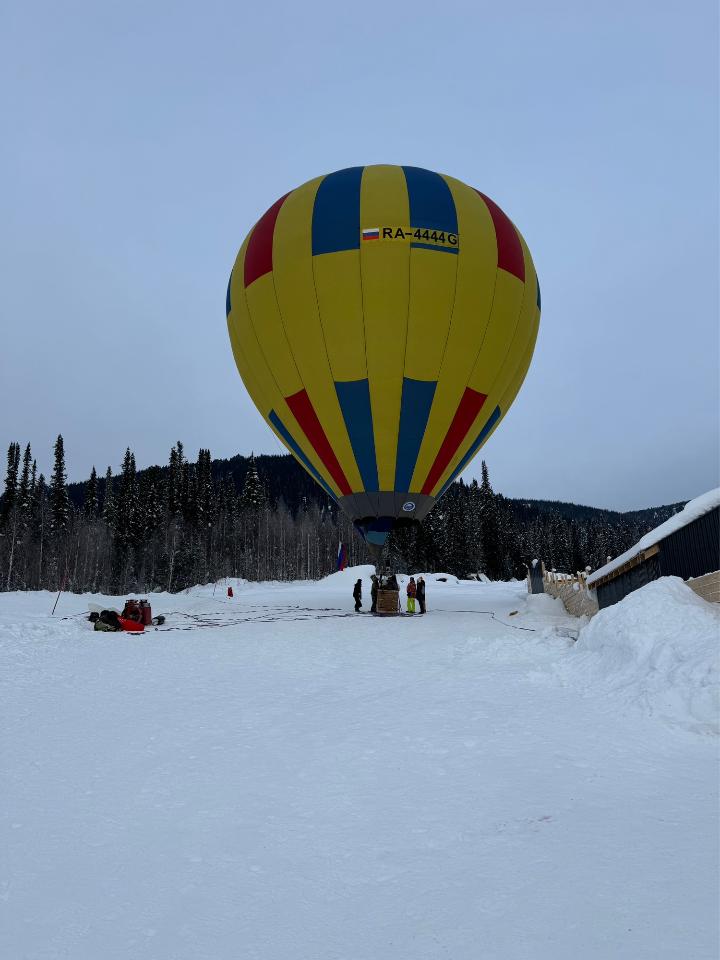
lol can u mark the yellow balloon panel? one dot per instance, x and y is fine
(339, 296)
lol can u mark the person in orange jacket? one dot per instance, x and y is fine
(411, 594)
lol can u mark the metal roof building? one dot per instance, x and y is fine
(687, 545)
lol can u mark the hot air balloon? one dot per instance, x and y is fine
(383, 319)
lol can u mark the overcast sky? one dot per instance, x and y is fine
(141, 140)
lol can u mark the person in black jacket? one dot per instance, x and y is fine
(374, 593)
(421, 594)
(357, 595)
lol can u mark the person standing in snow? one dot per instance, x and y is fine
(411, 592)
(373, 594)
(421, 594)
(357, 595)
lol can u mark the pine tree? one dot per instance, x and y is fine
(172, 486)
(476, 552)
(459, 558)
(39, 505)
(90, 507)
(190, 488)
(177, 480)
(127, 501)
(109, 511)
(489, 519)
(509, 541)
(38, 525)
(10, 516)
(204, 508)
(59, 501)
(556, 543)
(438, 534)
(26, 484)
(253, 495)
(126, 525)
(576, 555)
(9, 497)
(151, 496)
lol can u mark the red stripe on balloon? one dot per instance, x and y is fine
(258, 256)
(304, 413)
(510, 253)
(468, 408)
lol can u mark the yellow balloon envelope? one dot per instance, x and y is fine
(383, 319)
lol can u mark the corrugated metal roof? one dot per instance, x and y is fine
(694, 509)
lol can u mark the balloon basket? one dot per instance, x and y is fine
(388, 603)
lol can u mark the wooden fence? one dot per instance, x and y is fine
(572, 589)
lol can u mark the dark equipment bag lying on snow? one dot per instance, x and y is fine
(108, 621)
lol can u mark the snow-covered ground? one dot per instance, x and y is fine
(275, 777)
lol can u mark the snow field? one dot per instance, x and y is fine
(275, 778)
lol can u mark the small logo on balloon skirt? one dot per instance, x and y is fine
(409, 506)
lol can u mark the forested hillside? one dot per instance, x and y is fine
(264, 518)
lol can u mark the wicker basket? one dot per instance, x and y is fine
(388, 602)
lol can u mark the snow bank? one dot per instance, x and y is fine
(657, 648)
(346, 578)
(448, 578)
(692, 510)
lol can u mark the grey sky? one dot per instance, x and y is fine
(142, 140)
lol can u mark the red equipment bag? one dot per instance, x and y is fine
(132, 626)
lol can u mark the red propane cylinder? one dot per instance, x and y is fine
(145, 613)
(132, 610)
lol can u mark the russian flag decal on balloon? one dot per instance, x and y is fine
(373, 233)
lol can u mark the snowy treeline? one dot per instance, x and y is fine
(475, 530)
(172, 527)
(158, 528)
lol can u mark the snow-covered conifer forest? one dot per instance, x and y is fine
(264, 518)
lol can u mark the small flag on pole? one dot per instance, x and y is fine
(342, 556)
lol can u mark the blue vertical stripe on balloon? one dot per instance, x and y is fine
(417, 398)
(354, 397)
(537, 281)
(228, 305)
(494, 417)
(336, 213)
(289, 440)
(431, 203)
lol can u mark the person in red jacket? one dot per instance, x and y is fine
(411, 594)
